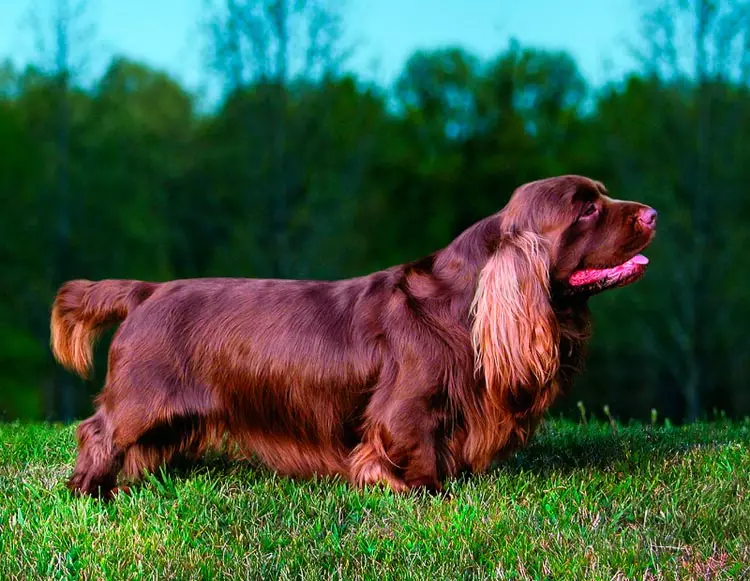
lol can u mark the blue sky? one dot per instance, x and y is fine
(167, 33)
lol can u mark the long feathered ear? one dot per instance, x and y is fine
(514, 332)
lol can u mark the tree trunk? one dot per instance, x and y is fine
(64, 389)
(281, 202)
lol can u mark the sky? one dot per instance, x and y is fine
(168, 34)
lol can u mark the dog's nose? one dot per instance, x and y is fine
(647, 217)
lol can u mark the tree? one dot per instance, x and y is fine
(271, 44)
(22, 253)
(696, 50)
(138, 129)
(62, 31)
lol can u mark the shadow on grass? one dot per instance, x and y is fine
(569, 447)
(218, 463)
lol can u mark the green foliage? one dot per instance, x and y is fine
(598, 501)
(327, 177)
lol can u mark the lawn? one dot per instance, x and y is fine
(591, 501)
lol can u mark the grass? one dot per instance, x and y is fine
(582, 502)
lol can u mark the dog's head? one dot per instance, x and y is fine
(592, 241)
(559, 237)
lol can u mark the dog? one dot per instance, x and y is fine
(404, 377)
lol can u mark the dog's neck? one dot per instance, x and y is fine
(574, 320)
(458, 266)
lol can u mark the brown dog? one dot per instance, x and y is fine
(405, 376)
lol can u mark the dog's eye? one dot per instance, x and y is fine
(589, 211)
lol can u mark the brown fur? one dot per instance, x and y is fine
(403, 377)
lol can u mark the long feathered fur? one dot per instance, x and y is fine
(514, 333)
(82, 310)
(516, 342)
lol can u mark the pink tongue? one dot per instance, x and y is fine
(591, 275)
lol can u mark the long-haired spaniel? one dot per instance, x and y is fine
(405, 376)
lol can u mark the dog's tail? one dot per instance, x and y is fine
(83, 309)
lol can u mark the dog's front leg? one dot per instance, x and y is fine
(399, 446)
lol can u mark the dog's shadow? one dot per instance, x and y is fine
(217, 463)
(605, 447)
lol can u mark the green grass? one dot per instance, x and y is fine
(582, 502)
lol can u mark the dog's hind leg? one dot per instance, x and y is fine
(99, 459)
(138, 430)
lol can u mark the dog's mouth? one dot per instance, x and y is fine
(595, 280)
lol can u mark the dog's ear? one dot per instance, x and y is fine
(514, 329)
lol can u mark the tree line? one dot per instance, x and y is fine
(305, 170)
